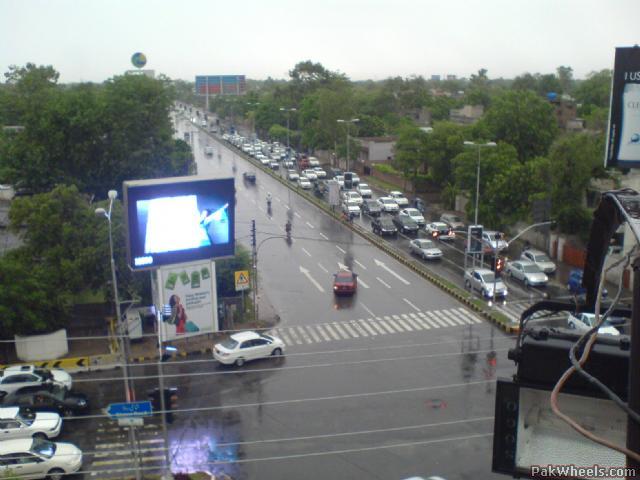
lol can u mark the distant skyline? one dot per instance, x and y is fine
(93, 40)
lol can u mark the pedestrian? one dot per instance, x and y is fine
(178, 314)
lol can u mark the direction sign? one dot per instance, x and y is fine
(131, 409)
(242, 280)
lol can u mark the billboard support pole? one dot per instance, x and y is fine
(254, 253)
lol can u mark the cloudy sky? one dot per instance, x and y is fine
(92, 40)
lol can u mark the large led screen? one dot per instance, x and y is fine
(176, 220)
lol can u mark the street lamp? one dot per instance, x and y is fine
(288, 110)
(348, 122)
(480, 147)
(253, 119)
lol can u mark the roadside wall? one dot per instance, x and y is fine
(42, 347)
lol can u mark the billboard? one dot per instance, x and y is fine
(623, 136)
(220, 85)
(177, 220)
(188, 299)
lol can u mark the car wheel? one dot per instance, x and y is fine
(55, 474)
(239, 362)
(277, 352)
(40, 435)
(526, 283)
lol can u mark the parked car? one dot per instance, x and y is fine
(453, 220)
(540, 259)
(440, 231)
(415, 214)
(527, 272)
(345, 282)
(495, 239)
(583, 322)
(388, 204)
(383, 226)
(352, 196)
(400, 199)
(574, 284)
(304, 183)
(425, 249)
(245, 346)
(38, 458)
(371, 208)
(48, 398)
(406, 224)
(364, 190)
(351, 208)
(483, 279)
(18, 376)
(292, 175)
(16, 422)
(249, 177)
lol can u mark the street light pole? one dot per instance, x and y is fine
(288, 110)
(348, 122)
(480, 146)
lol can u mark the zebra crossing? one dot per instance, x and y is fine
(375, 326)
(514, 309)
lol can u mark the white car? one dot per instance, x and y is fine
(265, 161)
(415, 214)
(320, 173)
(483, 280)
(18, 376)
(364, 190)
(310, 173)
(495, 239)
(304, 183)
(540, 259)
(425, 249)
(292, 175)
(288, 164)
(440, 230)
(340, 180)
(314, 162)
(16, 422)
(244, 346)
(351, 208)
(400, 199)
(352, 196)
(38, 458)
(388, 204)
(583, 322)
(208, 150)
(527, 272)
(274, 165)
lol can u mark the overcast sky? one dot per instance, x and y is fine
(92, 40)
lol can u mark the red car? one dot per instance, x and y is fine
(345, 283)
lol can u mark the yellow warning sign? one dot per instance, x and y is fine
(242, 280)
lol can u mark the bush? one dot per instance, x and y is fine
(386, 168)
(574, 220)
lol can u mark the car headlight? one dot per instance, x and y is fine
(82, 402)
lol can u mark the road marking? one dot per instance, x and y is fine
(342, 250)
(287, 207)
(322, 268)
(294, 336)
(387, 327)
(350, 330)
(383, 282)
(342, 266)
(331, 332)
(305, 251)
(411, 305)
(374, 323)
(312, 332)
(304, 334)
(472, 317)
(297, 214)
(395, 325)
(310, 226)
(429, 320)
(367, 327)
(382, 265)
(456, 318)
(306, 273)
(279, 332)
(260, 208)
(445, 317)
(360, 265)
(323, 333)
(356, 326)
(420, 321)
(104, 463)
(404, 324)
(339, 329)
(278, 199)
(324, 236)
(367, 309)
(361, 282)
(411, 321)
(437, 319)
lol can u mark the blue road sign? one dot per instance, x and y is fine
(131, 409)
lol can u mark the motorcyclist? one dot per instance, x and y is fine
(269, 199)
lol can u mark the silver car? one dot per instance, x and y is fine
(425, 249)
(17, 422)
(527, 272)
(540, 259)
(388, 204)
(483, 280)
(18, 376)
(583, 322)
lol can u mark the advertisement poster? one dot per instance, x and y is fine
(188, 296)
(623, 136)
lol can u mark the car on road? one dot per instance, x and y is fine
(527, 272)
(288, 163)
(495, 239)
(440, 231)
(304, 183)
(18, 376)
(353, 196)
(453, 220)
(351, 208)
(345, 282)
(16, 422)
(415, 214)
(355, 179)
(574, 284)
(274, 165)
(208, 150)
(249, 177)
(48, 398)
(400, 199)
(310, 173)
(371, 208)
(425, 249)
(364, 190)
(406, 224)
(583, 322)
(245, 346)
(334, 172)
(320, 173)
(388, 204)
(340, 180)
(540, 259)
(292, 175)
(38, 458)
(314, 162)
(483, 280)
(383, 226)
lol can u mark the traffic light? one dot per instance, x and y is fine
(170, 401)
(474, 240)
(497, 264)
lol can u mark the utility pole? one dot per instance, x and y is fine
(254, 254)
(348, 122)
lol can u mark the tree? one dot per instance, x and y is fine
(410, 151)
(370, 126)
(443, 144)
(565, 78)
(594, 91)
(225, 269)
(524, 120)
(278, 132)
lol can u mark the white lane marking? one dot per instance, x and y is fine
(309, 225)
(454, 316)
(420, 321)
(322, 268)
(281, 333)
(294, 336)
(331, 332)
(383, 282)
(323, 333)
(339, 329)
(287, 207)
(127, 460)
(358, 328)
(367, 309)
(375, 325)
(396, 325)
(360, 265)
(341, 249)
(437, 319)
(312, 332)
(261, 187)
(468, 314)
(411, 321)
(305, 251)
(367, 327)
(411, 305)
(350, 330)
(305, 335)
(443, 315)
(306, 273)
(429, 320)
(278, 199)
(260, 208)
(387, 327)
(297, 214)
(384, 266)
(253, 200)
(324, 236)
(404, 324)
(342, 266)
(361, 282)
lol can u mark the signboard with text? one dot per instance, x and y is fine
(220, 85)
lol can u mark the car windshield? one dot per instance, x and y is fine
(352, 203)
(488, 277)
(267, 337)
(590, 320)
(364, 186)
(541, 258)
(45, 374)
(425, 243)
(387, 223)
(229, 344)
(387, 200)
(344, 277)
(413, 212)
(531, 269)
(44, 448)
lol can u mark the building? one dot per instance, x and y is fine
(466, 115)
(565, 111)
(376, 149)
(435, 78)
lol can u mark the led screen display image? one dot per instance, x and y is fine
(176, 220)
